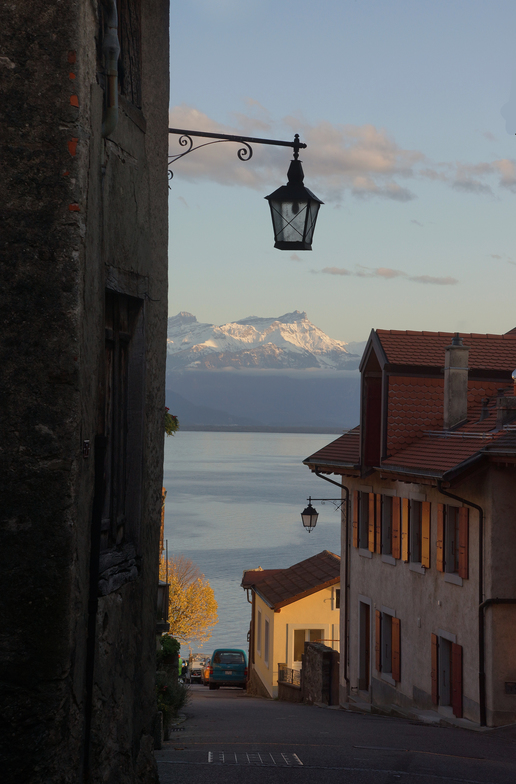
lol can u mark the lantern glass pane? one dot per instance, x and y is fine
(289, 220)
(313, 210)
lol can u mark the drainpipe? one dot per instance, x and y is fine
(111, 50)
(481, 603)
(347, 583)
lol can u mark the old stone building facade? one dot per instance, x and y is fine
(83, 338)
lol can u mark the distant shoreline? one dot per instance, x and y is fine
(261, 429)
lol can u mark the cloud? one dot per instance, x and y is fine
(489, 136)
(417, 223)
(437, 281)
(506, 258)
(335, 271)
(388, 274)
(295, 257)
(361, 160)
(183, 201)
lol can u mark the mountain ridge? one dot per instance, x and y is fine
(288, 341)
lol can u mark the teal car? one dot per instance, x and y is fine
(228, 668)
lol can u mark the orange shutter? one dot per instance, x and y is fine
(439, 561)
(435, 688)
(378, 640)
(396, 649)
(456, 680)
(370, 522)
(463, 542)
(396, 538)
(378, 548)
(355, 518)
(405, 529)
(425, 534)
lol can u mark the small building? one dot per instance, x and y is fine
(428, 621)
(290, 607)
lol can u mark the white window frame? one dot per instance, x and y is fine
(266, 642)
(259, 632)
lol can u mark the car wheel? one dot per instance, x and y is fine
(212, 686)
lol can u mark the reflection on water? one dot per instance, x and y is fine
(234, 502)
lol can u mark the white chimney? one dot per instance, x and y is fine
(455, 383)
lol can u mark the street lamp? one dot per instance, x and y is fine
(294, 208)
(310, 515)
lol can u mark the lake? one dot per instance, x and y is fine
(234, 502)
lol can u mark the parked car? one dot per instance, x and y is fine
(195, 668)
(228, 668)
(206, 672)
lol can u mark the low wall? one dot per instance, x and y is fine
(320, 674)
(289, 692)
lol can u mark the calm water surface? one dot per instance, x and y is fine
(234, 502)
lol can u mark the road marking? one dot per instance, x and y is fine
(262, 759)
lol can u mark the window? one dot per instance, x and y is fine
(259, 632)
(415, 531)
(305, 635)
(363, 519)
(388, 644)
(266, 643)
(386, 524)
(119, 444)
(415, 522)
(453, 540)
(337, 598)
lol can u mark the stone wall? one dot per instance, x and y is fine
(79, 215)
(320, 674)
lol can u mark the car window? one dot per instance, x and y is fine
(228, 657)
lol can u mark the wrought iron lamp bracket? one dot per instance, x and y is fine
(337, 502)
(245, 153)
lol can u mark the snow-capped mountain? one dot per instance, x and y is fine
(289, 341)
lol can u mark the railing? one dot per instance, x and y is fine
(288, 675)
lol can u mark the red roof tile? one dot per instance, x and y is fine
(345, 450)
(301, 579)
(417, 405)
(489, 352)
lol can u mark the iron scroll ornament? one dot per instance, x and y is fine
(245, 153)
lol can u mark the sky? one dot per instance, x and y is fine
(408, 108)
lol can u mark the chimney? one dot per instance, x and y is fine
(455, 383)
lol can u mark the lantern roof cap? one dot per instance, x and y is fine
(294, 190)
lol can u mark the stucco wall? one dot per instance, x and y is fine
(79, 214)
(426, 603)
(313, 612)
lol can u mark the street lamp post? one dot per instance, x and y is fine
(294, 208)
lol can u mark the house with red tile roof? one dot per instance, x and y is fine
(290, 607)
(428, 617)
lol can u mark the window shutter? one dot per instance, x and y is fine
(371, 526)
(425, 534)
(440, 538)
(435, 649)
(463, 542)
(355, 518)
(378, 548)
(378, 640)
(396, 538)
(405, 529)
(456, 680)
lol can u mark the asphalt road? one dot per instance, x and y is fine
(230, 737)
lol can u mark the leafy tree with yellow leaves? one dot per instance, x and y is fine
(192, 607)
